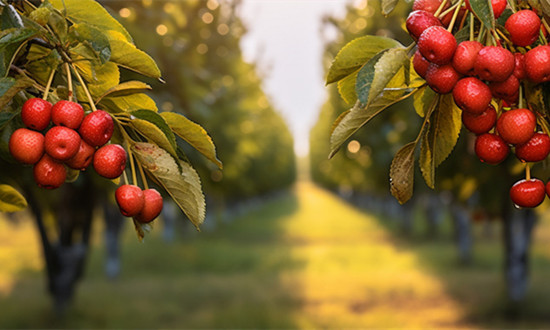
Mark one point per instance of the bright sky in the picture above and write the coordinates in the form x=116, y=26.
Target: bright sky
x=284, y=37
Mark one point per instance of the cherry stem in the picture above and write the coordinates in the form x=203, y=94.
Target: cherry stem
x=544, y=26
x=88, y=95
x=143, y=177
x=464, y=17
x=455, y=15
x=48, y=84
x=512, y=5
x=69, y=81
x=471, y=26
x=132, y=165
x=481, y=33
x=448, y=10
x=527, y=172
x=440, y=9
x=520, y=104
x=125, y=176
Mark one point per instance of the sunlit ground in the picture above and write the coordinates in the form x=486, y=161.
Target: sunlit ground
x=304, y=260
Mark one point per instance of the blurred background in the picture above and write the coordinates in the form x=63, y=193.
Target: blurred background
x=291, y=239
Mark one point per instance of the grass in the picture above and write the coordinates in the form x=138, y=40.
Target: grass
x=304, y=260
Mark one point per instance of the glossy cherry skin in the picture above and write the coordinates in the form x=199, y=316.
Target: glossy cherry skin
x=36, y=114
x=26, y=146
x=534, y=150
x=528, y=193
x=516, y=126
x=491, y=148
x=482, y=123
x=472, y=95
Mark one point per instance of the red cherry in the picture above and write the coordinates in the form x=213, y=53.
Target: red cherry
x=524, y=27
x=537, y=64
x=97, y=128
x=498, y=7
x=110, y=161
x=83, y=157
x=548, y=188
x=491, y=148
x=62, y=143
x=505, y=89
x=442, y=79
x=49, y=173
x=420, y=20
x=482, y=123
x=465, y=56
x=528, y=193
x=68, y=114
x=130, y=199
x=420, y=64
x=26, y=146
x=519, y=68
x=431, y=6
x=36, y=113
x=472, y=95
x=494, y=63
x=152, y=206
x=516, y=126
x=534, y=150
x=437, y=45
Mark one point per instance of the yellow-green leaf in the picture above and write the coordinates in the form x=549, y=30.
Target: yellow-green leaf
x=346, y=88
x=193, y=134
x=402, y=173
x=423, y=100
x=128, y=56
x=388, y=6
x=184, y=187
x=99, y=78
x=9, y=87
x=153, y=134
x=126, y=88
x=10, y=199
x=127, y=103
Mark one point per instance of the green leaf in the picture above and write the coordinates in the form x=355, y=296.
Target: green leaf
x=423, y=100
x=402, y=173
x=377, y=73
x=10, y=88
x=360, y=115
x=184, y=187
x=128, y=56
x=91, y=12
x=127, y=103
x=6, y=117
x=483, y=9
x=126, y=88
x=11, y=200
x=151, y=125
x=10, y=18
x=346, y=88
x=13, y=36
x=59, y=25
x=98, y=77
x=40, y=15
x=353, y=55
x=388, y=6
x=92, y=37
x=42, y=62
x=440, y=137
x=193, y=134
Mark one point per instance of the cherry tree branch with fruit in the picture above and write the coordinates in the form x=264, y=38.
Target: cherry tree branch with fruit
x=481, y=64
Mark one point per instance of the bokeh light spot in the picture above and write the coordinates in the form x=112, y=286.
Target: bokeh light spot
x=354, y=146
x=162, y=29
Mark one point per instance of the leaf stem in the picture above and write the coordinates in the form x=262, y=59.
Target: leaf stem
x=434, y=104
x=88, y=95
x=48, y=84
x=69, y=81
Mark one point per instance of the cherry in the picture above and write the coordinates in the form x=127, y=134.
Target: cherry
x=62, y=143
x=420, y=64
x=505, y=89
x=528, y=193
x=517, y=126
x=420, y=20
x=49, y=173
x=68, y=114
x=472, y=95
x=465, y=56
x=26, y=146
x=130, y=199
x=524, y=27
x=519, y=68
x=494, y=63
x=537, y=64
x=498, y=7
x=97, y=128
x=534, y=150
x=482, y=123
x=437, y=45
x=152, y=206
x=83, y=157
x=491, y=148
x=36, y=113
x=431, y=6
x=442, y=79
x=110, y=161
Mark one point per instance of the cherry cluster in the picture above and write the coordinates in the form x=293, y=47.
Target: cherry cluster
x=481, y=77
x=75, y=140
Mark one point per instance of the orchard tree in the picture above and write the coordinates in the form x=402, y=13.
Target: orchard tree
x=479, y=64
x=72, y=131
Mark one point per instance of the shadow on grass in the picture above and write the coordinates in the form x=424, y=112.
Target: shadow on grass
x=227, y=278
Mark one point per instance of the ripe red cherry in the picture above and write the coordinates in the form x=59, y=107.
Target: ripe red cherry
x=519, y=68
x=517, y=126
x=83, y=157
x=110, y=161
x=465, y=56
x=442, y=79
x=505, y=89
x=431, y=6
x=494, y=63
x=420, y=64
x=420, y=20
x=537, y=64
x=130, y=199
x=534, y=150
x=524, y=27
x=528, y=193
x=437, y=45
x=152, y=206
x=498, y=7
x=49, y=173
x=482, y=123
x=26, y=146
x=491, y=148
x=62, y=143
x=36, y=113
x=548, y=188
x=472, y=95
x=97, y=128
x=68, y=114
